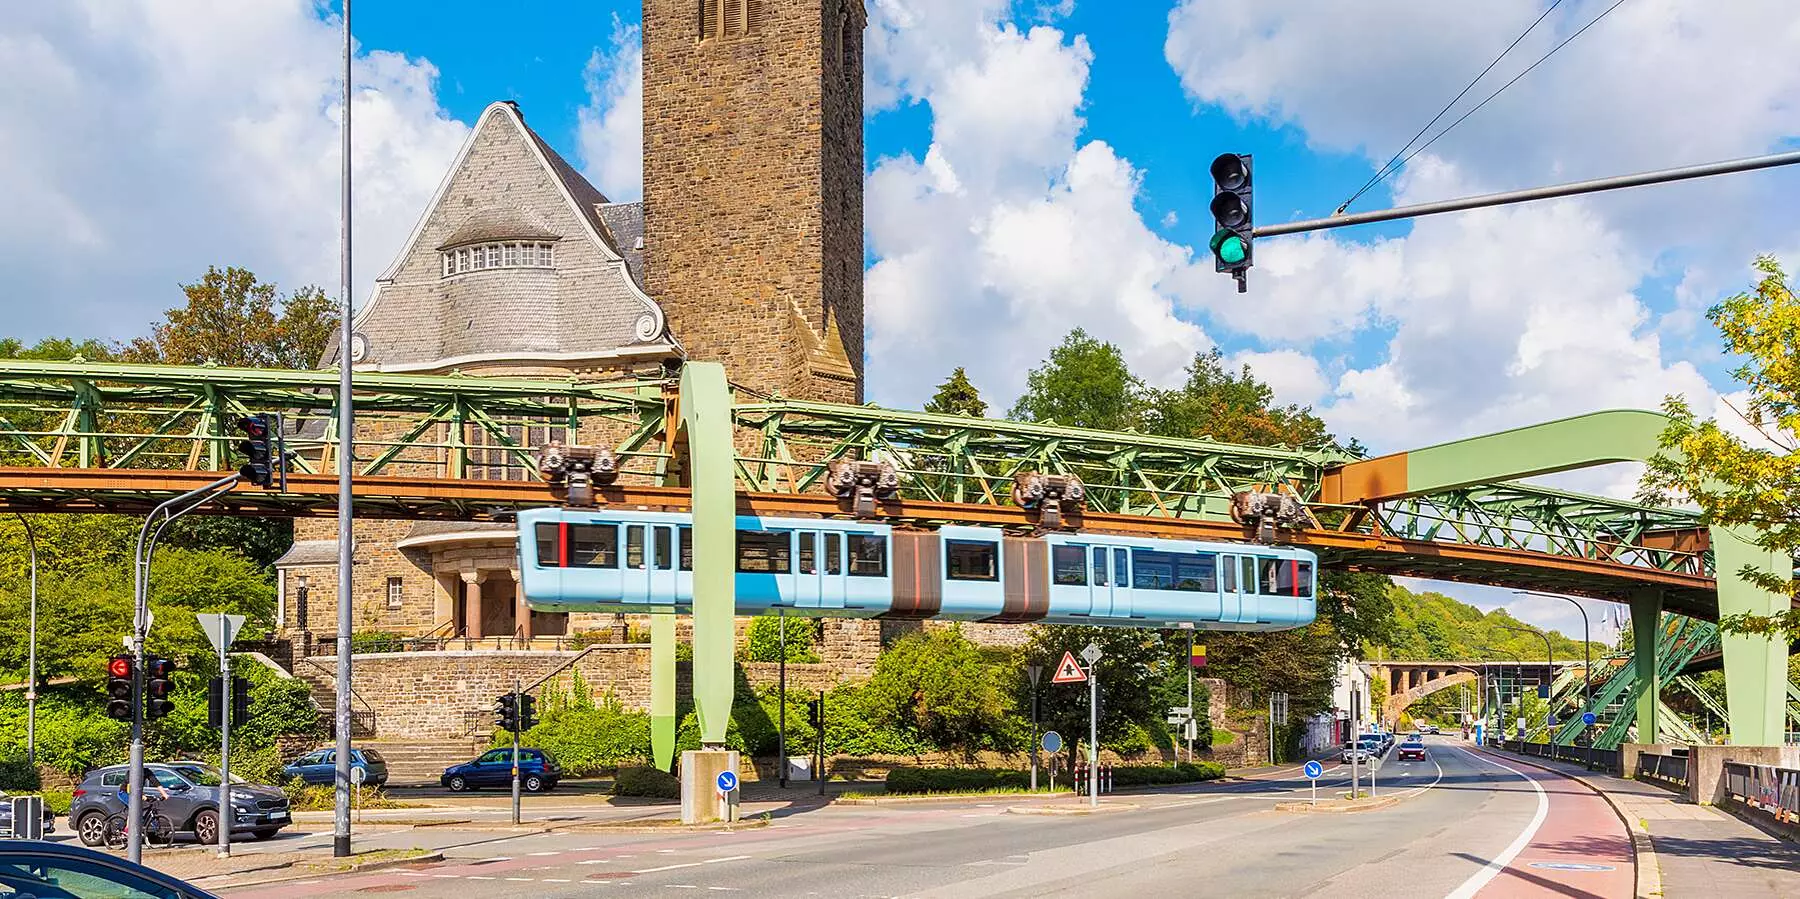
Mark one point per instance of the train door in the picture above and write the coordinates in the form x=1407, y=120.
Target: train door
x=650, y=563
x=1231, y=597
x=809, y=579
x=1101, y=584
x=1250, y=608
x=1121, y=582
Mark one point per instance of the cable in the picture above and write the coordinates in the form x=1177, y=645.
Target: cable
x=1383, y=171
x=1501, y=89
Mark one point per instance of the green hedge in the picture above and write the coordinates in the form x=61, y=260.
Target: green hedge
x=1156, y=775
x=646, y=781
x=589, y=739
x=946, y=780
x=18, y=775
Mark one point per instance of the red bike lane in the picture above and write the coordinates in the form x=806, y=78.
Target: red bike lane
x=1580, y=849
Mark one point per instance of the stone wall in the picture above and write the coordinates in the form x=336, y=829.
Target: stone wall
x=423, y=695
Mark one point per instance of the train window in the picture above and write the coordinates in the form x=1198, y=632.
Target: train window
x=1286, y=577
x=1121, y=569
x=971, y=560
x=1197, y=573
x=1100, y=579
x=834, y=553
x=1152, y=570
x=809, y=560
x=634, y=546
x=594, y=545
x=1303, y=579
x=1228, y=568
x=549, y=555
x=1068, y=564
x=665, y=548
x=868, y=555
x=1247, y=573
x=764, y=552
x=687, y=548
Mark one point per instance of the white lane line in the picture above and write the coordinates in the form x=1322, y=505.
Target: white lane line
x=411, y=874
x=681, y=886
x=447, y=876
x=519, y=879
x=473, y=877
x=551, y=852
x=595, y=861
x=710, y=861
x=555, y=880
x=1493, y=868
x=1434, y=781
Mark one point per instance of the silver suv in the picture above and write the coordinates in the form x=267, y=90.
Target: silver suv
x=186, y=792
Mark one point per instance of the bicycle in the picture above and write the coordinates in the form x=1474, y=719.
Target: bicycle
x=158, y=829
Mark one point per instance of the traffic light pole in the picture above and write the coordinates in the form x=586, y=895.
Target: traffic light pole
x=1616, y=182
x=346, y=434
x=519, y=704
x=226, y=812
x=168, y=510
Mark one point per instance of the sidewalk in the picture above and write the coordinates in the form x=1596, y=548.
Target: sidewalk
x=1700, y=851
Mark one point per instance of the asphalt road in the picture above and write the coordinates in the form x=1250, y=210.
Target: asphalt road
x=1466, y=825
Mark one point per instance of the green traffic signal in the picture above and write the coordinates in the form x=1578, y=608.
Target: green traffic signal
x=1228, y=246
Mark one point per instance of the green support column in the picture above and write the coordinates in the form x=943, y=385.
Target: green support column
x=662, y=688
x=1755, y=667
x=1646, y=624
x=706, y=425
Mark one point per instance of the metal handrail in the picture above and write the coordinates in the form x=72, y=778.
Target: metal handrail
x=368, y=710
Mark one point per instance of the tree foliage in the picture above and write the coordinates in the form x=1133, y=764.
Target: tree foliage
x=957, y=396
x=1085, y=384
x=232, y=319
x=943, y=686
x=1734, y=482
x=1431, y=626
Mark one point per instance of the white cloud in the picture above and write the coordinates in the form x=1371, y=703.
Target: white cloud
x=1009, y=220
x=1294, y=376
x=132, y=122
x=610, y=137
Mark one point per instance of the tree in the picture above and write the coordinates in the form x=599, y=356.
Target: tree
x=56, y=349
x=943, y=686
x=1132, y=664
x=957, y=396
x=1085, y=384
x=1216, y=404
x=231, y=319
x=1735, y=483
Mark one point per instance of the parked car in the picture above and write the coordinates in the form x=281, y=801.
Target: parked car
x=538, y=771
x=1412, y=749
x=1430, y=729
x=320, y=767
x=6, y=820
x=40, y=868
x=187, y=792
x=1356, y=752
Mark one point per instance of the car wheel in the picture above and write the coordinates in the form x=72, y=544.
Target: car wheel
x=266, y=833
x=92, y=829
x=206, y=827
x=533, y=783
x=457, y=784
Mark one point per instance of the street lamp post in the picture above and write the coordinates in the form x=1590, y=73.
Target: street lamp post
x=31, y=663
x=1550, y=660
x=1519, y=676
x=1587, y=660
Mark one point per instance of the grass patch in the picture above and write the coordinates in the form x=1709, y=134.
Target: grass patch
x=904, y=781
x=987, y=791
x=374, y=856
x=303, y=797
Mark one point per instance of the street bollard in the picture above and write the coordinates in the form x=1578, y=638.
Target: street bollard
x=1106, y=777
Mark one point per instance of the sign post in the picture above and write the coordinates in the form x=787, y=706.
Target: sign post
x=1092, y=655
x=519, y=704
x=1053, y=744
x=221, y=629
x=727, y=782
x=1034, y=672
x=1313, y=771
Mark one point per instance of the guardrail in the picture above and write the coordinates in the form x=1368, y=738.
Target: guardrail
x=1593, y=757
x=1768, y=791
x=1670, y=770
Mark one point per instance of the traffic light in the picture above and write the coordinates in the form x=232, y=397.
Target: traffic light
x=157, y=687
x=527, y=711
x=264, y=453
x=506, y=712
x=118, y=687
x=240, y=700
x=812, y=712
x=1233, y=223
x=215, y=701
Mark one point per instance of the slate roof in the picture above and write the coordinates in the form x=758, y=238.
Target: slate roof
x=625, y=222
x=309, y=552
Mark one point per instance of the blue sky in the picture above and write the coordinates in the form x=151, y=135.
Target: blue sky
x=1032, y=167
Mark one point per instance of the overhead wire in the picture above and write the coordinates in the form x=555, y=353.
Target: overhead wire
x=1490, y=97
x=1383, y=171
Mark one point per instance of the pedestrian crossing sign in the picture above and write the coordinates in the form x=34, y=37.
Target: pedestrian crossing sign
x=1068, y=671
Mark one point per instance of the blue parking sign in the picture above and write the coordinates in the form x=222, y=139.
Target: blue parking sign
x=1314, y=770
x=1588, y=718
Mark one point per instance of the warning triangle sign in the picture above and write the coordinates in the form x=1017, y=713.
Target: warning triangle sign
x=1069, y=671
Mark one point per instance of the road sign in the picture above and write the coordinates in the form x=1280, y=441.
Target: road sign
x=1068, y=671
x=1551, y=722
x=1091, y=653
x=1314, y=770
x=727, y=781
x=1052, y=742
x=1197, y=656
x=220, y=628
x=358, y=775
x=1181, y=711
x=1588, y=718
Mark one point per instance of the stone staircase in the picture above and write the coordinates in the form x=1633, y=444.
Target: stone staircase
x=320, y=678
x=413, y=764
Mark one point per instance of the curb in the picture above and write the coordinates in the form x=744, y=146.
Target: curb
x=1647, y=871
x=1068, y=810
x=290, y=867
x=672, y=827
x=946, y=797
x=1303, y=806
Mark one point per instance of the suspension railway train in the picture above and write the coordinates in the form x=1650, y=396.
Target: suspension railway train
x=606, y=560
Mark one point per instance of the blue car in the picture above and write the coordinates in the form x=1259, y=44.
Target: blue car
x=320, y=767
x=538, y=771
x=39, y=868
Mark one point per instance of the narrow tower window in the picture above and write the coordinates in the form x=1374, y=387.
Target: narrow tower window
x=730, y=18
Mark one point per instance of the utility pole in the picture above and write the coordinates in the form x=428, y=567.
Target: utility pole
x=31, y=683
x=519, y=704
x=781, y=726
x=1033, y=673
x=1188, y=728
x=346, y=433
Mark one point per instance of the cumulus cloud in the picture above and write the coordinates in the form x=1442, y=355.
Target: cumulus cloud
x=216, y=121
x=610, y=137
x=1010, y=230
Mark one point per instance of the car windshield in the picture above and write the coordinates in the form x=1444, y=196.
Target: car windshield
x=204, y=775
x=370, y=755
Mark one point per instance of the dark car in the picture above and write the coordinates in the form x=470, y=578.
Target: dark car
x=36, y=868
x=320, y=767
x=1412, y=750
x=6, y=821
x=538, y=771
x=187, y=793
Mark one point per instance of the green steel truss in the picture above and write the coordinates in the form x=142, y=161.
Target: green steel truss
x=111, y=416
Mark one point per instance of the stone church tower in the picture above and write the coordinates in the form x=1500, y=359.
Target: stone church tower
x=753, y=167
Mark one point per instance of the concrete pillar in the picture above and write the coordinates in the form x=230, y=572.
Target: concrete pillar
x=445, y=586
x=1646, y=626
x=471, y=583
x=1755, y=666
x=521, y=611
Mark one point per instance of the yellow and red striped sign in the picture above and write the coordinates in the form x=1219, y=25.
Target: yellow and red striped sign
x=1198, y=658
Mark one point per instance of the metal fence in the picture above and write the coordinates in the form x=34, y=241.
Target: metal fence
x=1592, y=757
x=1770, y=791
x=1671, y=770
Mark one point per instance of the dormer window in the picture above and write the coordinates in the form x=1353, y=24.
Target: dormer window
x=730, y=18
x=499, y=254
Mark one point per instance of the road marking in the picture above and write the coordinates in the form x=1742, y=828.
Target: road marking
x=447, y=876
x=473, y=877
x=595, y=861
x=1493, y=868
x=728, y=858
x=519, y=879
x=681, y=886
x=555, y=880
x=551, y=852
x=411, y=874
x=1434, y=781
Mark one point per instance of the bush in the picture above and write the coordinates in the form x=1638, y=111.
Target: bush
x=944, y=687
x=1154, y=775
x=59, y=801
x=305, y=797
x=949, y=780
x=644, y=780
x=18, y=775
x=375, y=641
x=586, y=740
x=762, y=641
